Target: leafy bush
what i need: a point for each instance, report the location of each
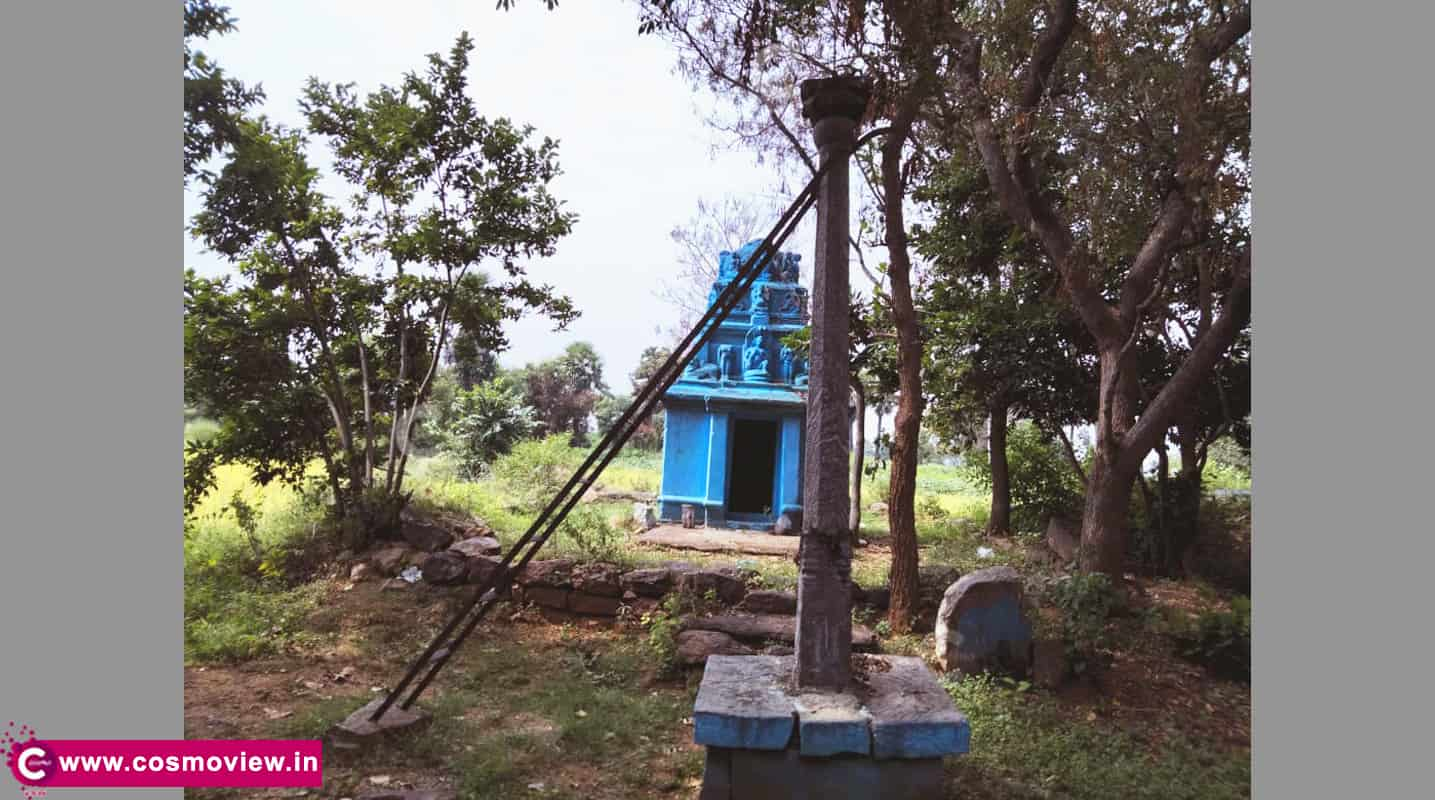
(588, 530)
(930, 509)
(663, 624)
(1087, 601)
(1043, 484)
(534, 471)
(483, 424)
(1221, 640)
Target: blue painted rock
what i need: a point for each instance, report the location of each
(981, 625)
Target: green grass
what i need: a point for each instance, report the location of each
(1022, 747)
(245, 596)
(507, 716)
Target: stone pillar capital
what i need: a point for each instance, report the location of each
(834, 107)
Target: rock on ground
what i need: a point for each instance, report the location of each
(389, 561)
(477, 546)
(445, 568)
(729, 588)
(695, 646)
(982, 625)
(1063, 537)
(599, 579)
(555, 573)
(426, 536)
(654, 582)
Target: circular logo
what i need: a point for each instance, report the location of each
(34, 763)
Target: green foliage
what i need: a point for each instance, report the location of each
(1042, 482)
(534, 471)
(213, 101)
(1087, 601)
(1221, 640)
(648, 436)
(563, 391)
(930, 509)
(311, 355)
(485, 422)
(663, 624)
(246, 560)
(588, 530)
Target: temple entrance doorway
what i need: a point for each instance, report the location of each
(754, 465)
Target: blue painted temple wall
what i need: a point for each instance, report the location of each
(743, 375)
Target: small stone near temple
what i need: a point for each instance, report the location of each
(981, 625)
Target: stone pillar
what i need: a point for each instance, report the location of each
(833, 106)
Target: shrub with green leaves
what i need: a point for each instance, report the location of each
(484, 423)
(588, 530)
(534, 471)
(1087, 601)
(1043, 484)
(1221, 640)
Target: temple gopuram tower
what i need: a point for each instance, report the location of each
(733, 440)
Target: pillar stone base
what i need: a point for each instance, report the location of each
(884, 737)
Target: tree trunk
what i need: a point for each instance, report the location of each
(859, 448)
(1000, 522)
(1105, 518)
(902, 487)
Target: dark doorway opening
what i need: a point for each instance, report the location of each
(754, 463)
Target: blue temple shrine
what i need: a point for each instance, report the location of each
(733, 440)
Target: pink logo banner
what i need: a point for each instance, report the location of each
(160, 763)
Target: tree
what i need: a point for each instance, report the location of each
(213, 101)
(1001, 343)
(649, 362)
(472, 363)
(1096, 98)
(336, 322)
(485, 423)
(563, 391)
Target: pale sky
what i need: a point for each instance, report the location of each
(634, 149)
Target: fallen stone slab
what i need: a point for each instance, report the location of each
(357, 731)
(476, 546)
(554, 572)
(652, 582)
(694, 647)
(713, 540)
(546, 596)
(759, 628)
(599, 578)
(482, 568)
(388, 561)
(767, 601)
(729, 587)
